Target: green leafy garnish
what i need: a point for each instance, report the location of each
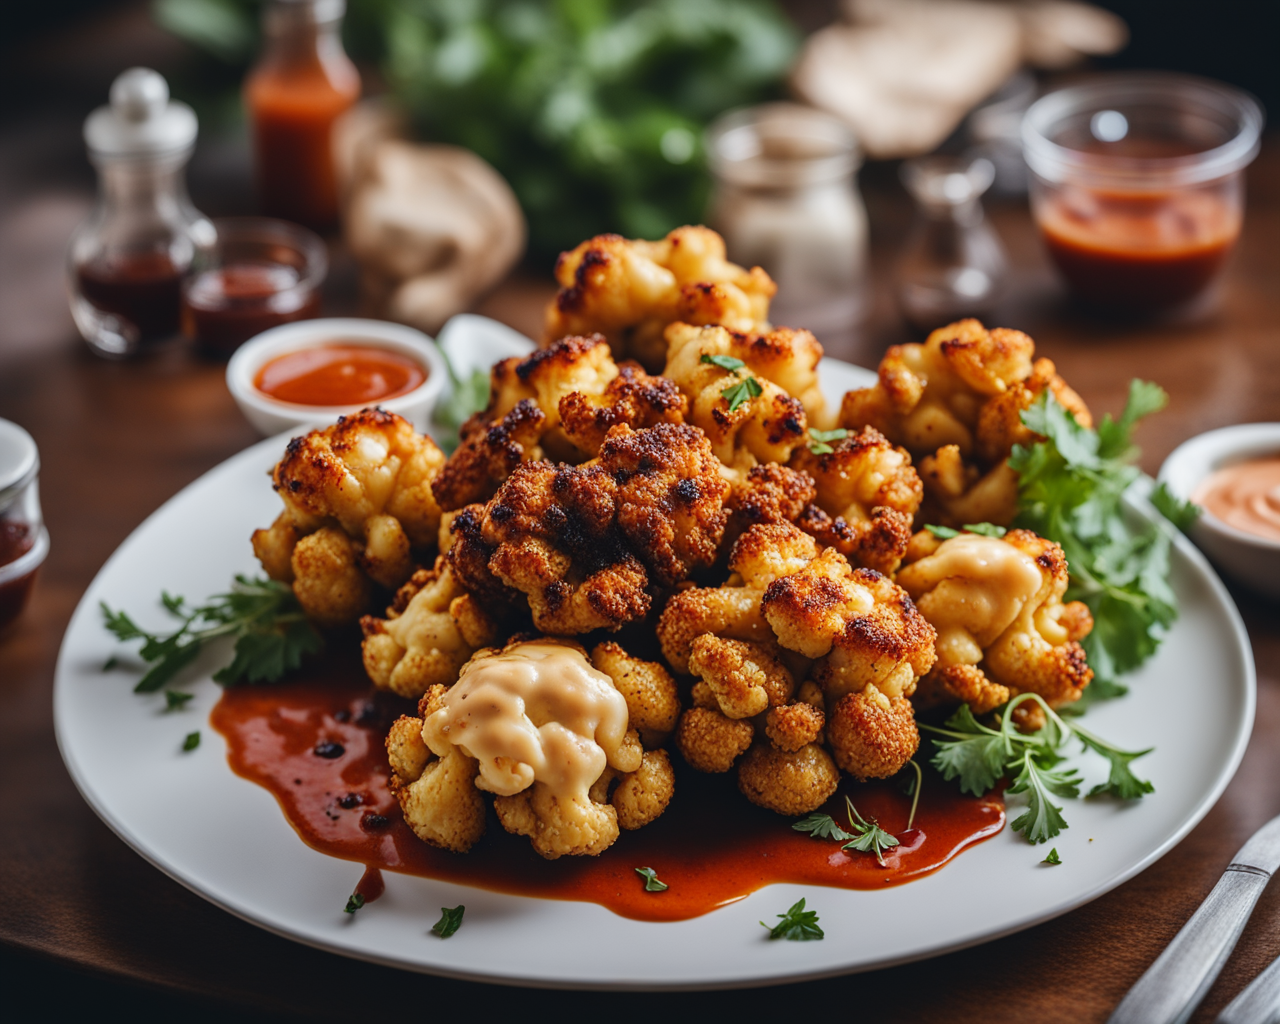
(465, 398)
(175, 701)
(942, 532)
(191, 742)
(1069, 490)
(913, 790)
(1183, 514)
(822, 826)
(741, 392)
(1053, 857)
(984, 529)
(820, 440)
(111, 663)
(730, 363)
(797, 924)
(450, 921)
(980, 755)
(868, 837)
(651, 882)
(354, 902)
(271, 634)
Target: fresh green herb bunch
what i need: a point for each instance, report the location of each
(592, 109)
(271, 634)
(1069, 490)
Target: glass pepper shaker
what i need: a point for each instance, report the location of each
(785, 199)
(953, 264)
(127, 261)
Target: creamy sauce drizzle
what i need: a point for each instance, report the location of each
(1246, 496)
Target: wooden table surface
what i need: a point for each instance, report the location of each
(80, 913)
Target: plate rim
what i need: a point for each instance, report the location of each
(1136, 501)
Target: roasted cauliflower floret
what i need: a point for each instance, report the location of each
(867, 493)
(747, 679)
(327, 579)
(872, 735)
(653, 705)
(548, 734)
(793, 726)
(788, 782)
(711, 742)
(488, 452)
(768, 493)
(1002, 626)
(430, 631)
(632, 398)
(725, 611)
(747, 417)
(629, 290)
(669, 497)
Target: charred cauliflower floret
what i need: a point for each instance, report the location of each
(488, 452)
(629, 290)
(954, 403)
(1002, 626)
(746, 679)
(768, 493)
(368, 476)
(430, 631)
(633, 398)
(867, 493)
(543, 730)
(747, 417)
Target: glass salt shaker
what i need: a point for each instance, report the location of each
(953, 265)
(785, 200)
(128, 259)
(24, 541)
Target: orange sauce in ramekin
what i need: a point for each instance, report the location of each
(339, 374)
(1245, 496)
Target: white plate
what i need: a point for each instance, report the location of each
(226, 838)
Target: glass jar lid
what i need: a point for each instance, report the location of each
(781, 146)
(19, 462)
(141, 120)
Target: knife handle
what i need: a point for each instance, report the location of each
(1174, 985)
(1257, 1004)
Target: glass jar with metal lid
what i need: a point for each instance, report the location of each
(24, 541)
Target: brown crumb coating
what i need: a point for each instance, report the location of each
(327, 578)
(653, 704)
(746, 679)
(633, 398)
(488, 453)
(725, 611)
(769, 493)
(792, 726)
(709, 741)
(871, 735)
(788, 782)
(641, 796)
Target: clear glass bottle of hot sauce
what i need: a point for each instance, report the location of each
(302, 83)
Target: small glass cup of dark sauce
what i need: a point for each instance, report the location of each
(1137, 184)
(24, 541)
(260, 274)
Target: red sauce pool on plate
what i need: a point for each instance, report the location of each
(339, 374)
(316, 742)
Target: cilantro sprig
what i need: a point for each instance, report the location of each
(797, 924)
(865, 837)
(983, 529)
(271, 635)
(820, 440)
(980, 756)
(467, 396)
(741, 390)
(1070, 488)
(652, 883)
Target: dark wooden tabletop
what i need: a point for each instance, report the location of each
(84, 918)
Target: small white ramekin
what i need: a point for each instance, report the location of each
(1253, 561)
(271, 416)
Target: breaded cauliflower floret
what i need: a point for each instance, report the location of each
(488, 452)
(746, 679)
(369, 475)
(1002, 626)
(327, 579)
(761, 424)
(788, 782)
(768, 493)
(793, 726)
(629, 290)
(653, 705)
(725, 611)
(632, 398)
(430, 631)
(711, 742)
(535, 724)
(867, 494)
(872, 735)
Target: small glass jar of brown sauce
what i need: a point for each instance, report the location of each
(261, 273)
(24, 541)
(1137, 184)
(129, 257)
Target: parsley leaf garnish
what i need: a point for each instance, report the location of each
(271, 634)
(797, 924)
(465, 398)
(1053, 857)
(822, 826)
(730, 363)
(354, 902)
(175, 701)
(869, 836)
(741, 392)
(983, 529)
(1183, 514)
(651, 881)
(191, 742)
(942, 532)
(450, 921)
(820, 440)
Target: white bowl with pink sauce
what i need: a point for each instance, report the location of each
(1249, 558)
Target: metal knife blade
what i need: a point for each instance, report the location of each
(1174, 985)
(1259, 1003)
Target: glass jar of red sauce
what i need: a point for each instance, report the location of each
(128, 259)
(300, 86)
(1137, 184)
(260, 273)
(24, 541)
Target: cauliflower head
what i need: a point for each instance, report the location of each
(1002, 626)
(368, 476)
(629, 290)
